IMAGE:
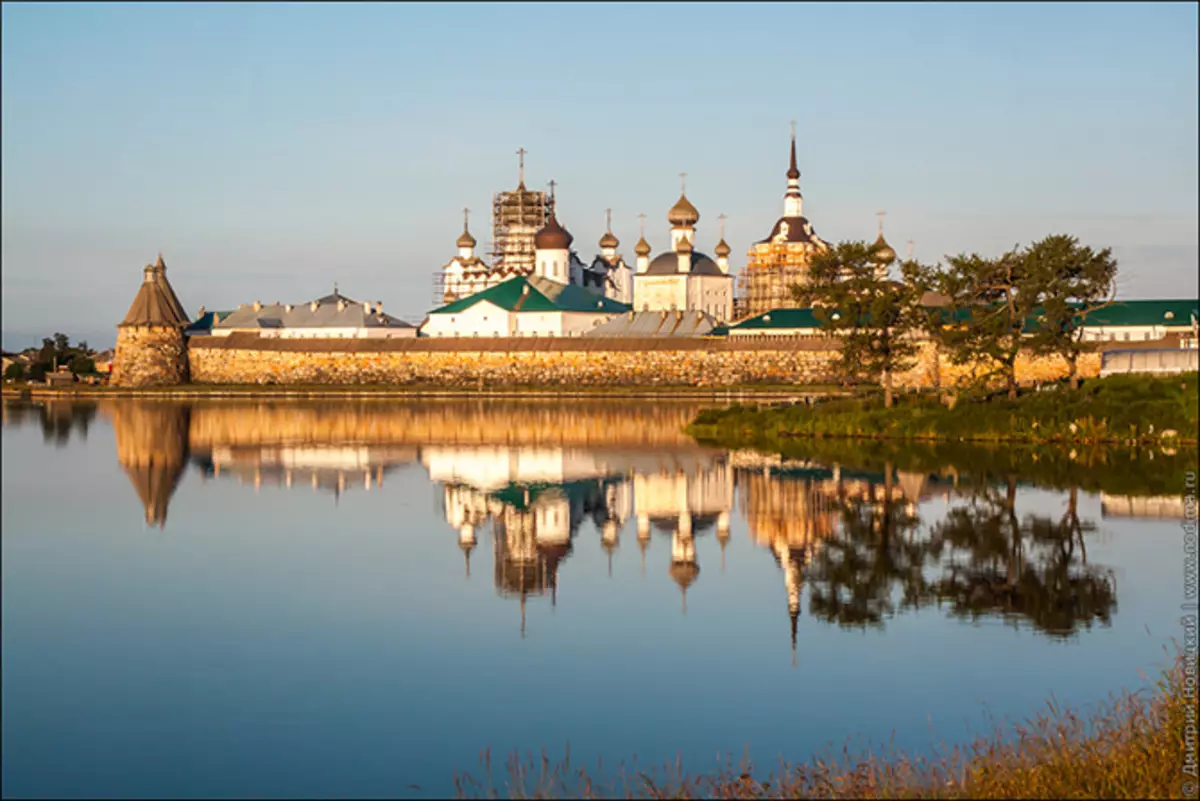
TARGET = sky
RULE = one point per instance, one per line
(271, 150)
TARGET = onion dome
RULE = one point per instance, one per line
(553, 236)
(722, 249)
(883, 253)
(683, 213)
(684, 246)
(465, 240)
(685, 573)
(608, 240)
(642, 248)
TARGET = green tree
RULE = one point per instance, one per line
(14, 372)
(875, 320)
(1074, 281)
(82, 365)
(995, 298)
(38, 370)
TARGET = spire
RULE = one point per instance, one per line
(521, 155)
(793, 201)
(793, 172)
(159, 264)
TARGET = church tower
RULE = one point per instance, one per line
(775, 264)
(151, 350)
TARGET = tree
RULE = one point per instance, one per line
(996, 298)
(873, 318)
(1074, 281)
(14, 372)
(62, 343)
(82, 365)
(37, 371)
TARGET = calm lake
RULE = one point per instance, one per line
(355, 598)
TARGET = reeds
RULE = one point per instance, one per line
(1131, 746)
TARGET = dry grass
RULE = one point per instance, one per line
(1133, 746)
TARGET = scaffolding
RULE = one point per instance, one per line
(516, 218)
(766, 284)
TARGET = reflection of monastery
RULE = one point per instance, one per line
(534, 500)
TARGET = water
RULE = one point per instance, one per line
(356, 598)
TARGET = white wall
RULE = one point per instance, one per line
(484, 319)
(660, 292)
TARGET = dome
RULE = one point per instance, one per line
(553, 236)
(722, 249)
(683, 213)
(608, 240)
(642, 248)
(884, 253)
(684, 246)
(668, 264)
(466, 240)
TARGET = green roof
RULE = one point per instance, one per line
(1145, 312)
(1120, 313)
(779, 318)
(537, 294)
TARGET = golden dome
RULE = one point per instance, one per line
(883, 251)
(608, 240)
(642, 248)
(684, 246)
(722, 248)
(465, 240)
(683, 212)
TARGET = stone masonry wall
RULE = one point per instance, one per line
(148, 356)
(565, 364)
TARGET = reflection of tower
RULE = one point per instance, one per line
(152, 447)
(723, 535)
(684, 568)
(610, 541)
(643, 536)
(466, 541)
(519, 568)
(792, 560)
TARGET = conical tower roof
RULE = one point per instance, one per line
(156, 302)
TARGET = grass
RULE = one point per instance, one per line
(1125, 408)
(1132, 746)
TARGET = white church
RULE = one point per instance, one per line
(551, 297)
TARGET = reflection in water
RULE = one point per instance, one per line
(532, 476)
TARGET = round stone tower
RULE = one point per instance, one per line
(151, 350)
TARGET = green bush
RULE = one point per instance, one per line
(14, 372)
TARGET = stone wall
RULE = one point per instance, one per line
(150, 355)
(466, 368)
(244, 359)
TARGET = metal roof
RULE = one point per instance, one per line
(332, 311)
(656, 324)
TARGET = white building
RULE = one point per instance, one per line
(683, 279)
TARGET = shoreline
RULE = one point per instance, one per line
(270, 392)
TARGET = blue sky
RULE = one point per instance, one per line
(269, 150)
